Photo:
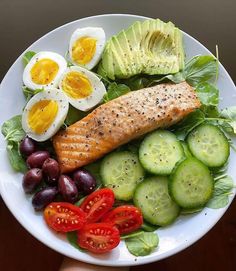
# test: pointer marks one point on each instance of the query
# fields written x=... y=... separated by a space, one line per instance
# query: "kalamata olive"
x=43 y=197
x=27 y=146
x=51 y=170
x=68 y=189
x=31 y=179
x=37 y=159
x=85 y=182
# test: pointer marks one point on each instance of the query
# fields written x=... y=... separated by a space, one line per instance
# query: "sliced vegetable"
x=160 y=151
x=64 y=217
x=98 y=237
x=191 y=184
x=209 y=144
x=121 y=172
x=97 y=204
x=126 y=218
x=152 y=197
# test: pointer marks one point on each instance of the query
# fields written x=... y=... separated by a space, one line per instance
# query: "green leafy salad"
x=145 y=184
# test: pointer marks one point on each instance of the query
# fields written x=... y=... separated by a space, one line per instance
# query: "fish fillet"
x=121 y=120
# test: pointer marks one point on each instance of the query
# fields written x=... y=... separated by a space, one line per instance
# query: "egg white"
x=60 y=60
x=98 y=90
x=63 y=106
x=93 y=32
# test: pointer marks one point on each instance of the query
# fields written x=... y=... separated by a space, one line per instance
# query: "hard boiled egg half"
x=44 y=70
x=83 y=88
x=44 y=114
x=86 y=46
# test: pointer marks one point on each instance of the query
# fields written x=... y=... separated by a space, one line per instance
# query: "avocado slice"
x=150 y=47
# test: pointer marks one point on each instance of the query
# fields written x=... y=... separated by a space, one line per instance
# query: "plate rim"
x=141 y=260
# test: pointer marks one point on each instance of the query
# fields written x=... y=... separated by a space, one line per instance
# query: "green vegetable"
x=149 y=47
x=28 y=93
x=131 y=235
x=115 y=90
x=94 y=169
x=200 y=69
x=27 y=56
x=208 y=94
x=229 y=113
x=12 y=129
x=15 y=158
x=148 y=227
x=222 y=190
x=13 y=133
x=143 y=244
x=184 y=127
x=72 y=238
x=74 y=115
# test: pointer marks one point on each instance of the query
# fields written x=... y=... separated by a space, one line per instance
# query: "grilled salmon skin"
x=121 y=120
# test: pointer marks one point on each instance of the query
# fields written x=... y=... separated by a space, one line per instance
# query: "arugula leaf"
x=115 y=90
x=143 y=244
x=200 y=69
x=15 y=158
x=72 y=238
x=27 y=56
x=12 y=129
x=184 y=127
x=74 y=115
x=208 y=94
x=222 y=190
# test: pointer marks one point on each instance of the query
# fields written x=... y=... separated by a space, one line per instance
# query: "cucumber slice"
x=160 y=151
x=209 y=145
x=152 y=197
x=122 y=171
x=191 y=185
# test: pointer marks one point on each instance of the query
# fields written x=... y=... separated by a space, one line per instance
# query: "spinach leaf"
x=143 y=244
x=229 y=113
x=218 y=202
x=137 y=82
x=94 y=169
x=15 y=158
x=184 y=127
x=27 y=56
x=190 y=211
x=72 y=238
x=28 y=93
x=131 y=235
x=148 y=227
x=200 y=69
x=208 y=94
x=115 y=90
x=13 y=133
x=12 y=129
x=74 y=115
x=222 y=190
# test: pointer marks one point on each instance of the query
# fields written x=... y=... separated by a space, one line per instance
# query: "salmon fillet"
x=121 y=120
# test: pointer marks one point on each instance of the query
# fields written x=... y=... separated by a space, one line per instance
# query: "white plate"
x=184 y=232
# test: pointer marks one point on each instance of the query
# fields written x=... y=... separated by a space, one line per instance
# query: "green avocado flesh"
x=149 y=47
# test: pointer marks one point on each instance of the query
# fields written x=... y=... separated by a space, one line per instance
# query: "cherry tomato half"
x=64 y=217
x=126 y=218
x=97 y=204
x=98 y=237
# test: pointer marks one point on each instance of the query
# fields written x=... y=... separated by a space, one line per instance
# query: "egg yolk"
x=83 y=50
x=76 y=85
x=44 y=71
x=41 y=115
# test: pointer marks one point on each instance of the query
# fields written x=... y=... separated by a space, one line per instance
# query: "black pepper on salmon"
x=121 y=120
